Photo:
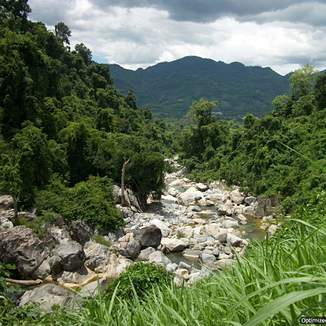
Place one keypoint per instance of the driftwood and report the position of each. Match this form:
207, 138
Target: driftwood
24, 282
123, 172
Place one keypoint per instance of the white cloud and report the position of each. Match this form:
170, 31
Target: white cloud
135, 37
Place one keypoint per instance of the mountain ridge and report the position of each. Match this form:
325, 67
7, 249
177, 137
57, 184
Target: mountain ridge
169, 88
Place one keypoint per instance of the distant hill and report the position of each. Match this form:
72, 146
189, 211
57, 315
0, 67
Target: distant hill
169, 88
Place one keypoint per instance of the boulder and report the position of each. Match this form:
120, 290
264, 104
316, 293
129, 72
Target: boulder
224, 263
6, 202
250, 200
212, 229
92, 289
78, 278
5, 222
227, 208
117, 265
47, 296
182, 264
191, 254
163, 226
207, 258
20, 246
43, 271
70, 254
235, 241
230, 223
149, 236
80, 231
190, 196
171, 267
169, 199
97, 256
201, 187
159, 258
144, 254
185, 232
236, 197
132, 249
173, 245
56, 235
197, 276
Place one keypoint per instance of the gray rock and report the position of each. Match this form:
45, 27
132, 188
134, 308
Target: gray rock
144, 254
159, 258
80, 231
97, 256
236, 197
47, 296
132, 249
223, 263
20, 246
71, 254
55, 265
191, 254
190, 196
207, 258
250, 200
201, 187
184, 265
56, 235
149, 236
222, 237
228, 223
171, 267
92, 289
6, 202
173, 245
43, 271
235, 241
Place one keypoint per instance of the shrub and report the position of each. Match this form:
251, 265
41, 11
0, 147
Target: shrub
91, 201
139, 279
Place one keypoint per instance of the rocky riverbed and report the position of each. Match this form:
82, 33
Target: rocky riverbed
195, 229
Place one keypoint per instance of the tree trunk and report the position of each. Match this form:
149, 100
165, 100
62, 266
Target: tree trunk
123, 173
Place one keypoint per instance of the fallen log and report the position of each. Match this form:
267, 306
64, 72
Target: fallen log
24, 282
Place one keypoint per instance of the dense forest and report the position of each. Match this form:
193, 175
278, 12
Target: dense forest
63, 121
67, 136
281, 155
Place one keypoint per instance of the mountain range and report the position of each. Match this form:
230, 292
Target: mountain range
169, 88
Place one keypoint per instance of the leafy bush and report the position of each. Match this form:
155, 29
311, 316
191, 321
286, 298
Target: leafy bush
91, 201
139, 279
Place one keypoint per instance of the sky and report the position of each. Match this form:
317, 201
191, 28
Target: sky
281, 34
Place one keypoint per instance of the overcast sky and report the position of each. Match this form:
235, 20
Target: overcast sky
282, 34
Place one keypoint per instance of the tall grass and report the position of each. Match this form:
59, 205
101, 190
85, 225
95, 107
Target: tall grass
278, 281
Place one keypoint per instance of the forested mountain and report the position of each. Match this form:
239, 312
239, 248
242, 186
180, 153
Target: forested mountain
169, 88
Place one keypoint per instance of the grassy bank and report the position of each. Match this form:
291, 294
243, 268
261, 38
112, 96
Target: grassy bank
278, 281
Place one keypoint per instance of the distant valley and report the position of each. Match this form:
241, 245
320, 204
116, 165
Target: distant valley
169, 88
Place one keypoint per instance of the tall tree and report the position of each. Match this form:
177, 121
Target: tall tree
62, 32
84, 52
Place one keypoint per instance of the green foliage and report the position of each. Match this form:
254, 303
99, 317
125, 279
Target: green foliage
138, 281
62, 32
101, 240
281, 155
91, 201
60, 115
